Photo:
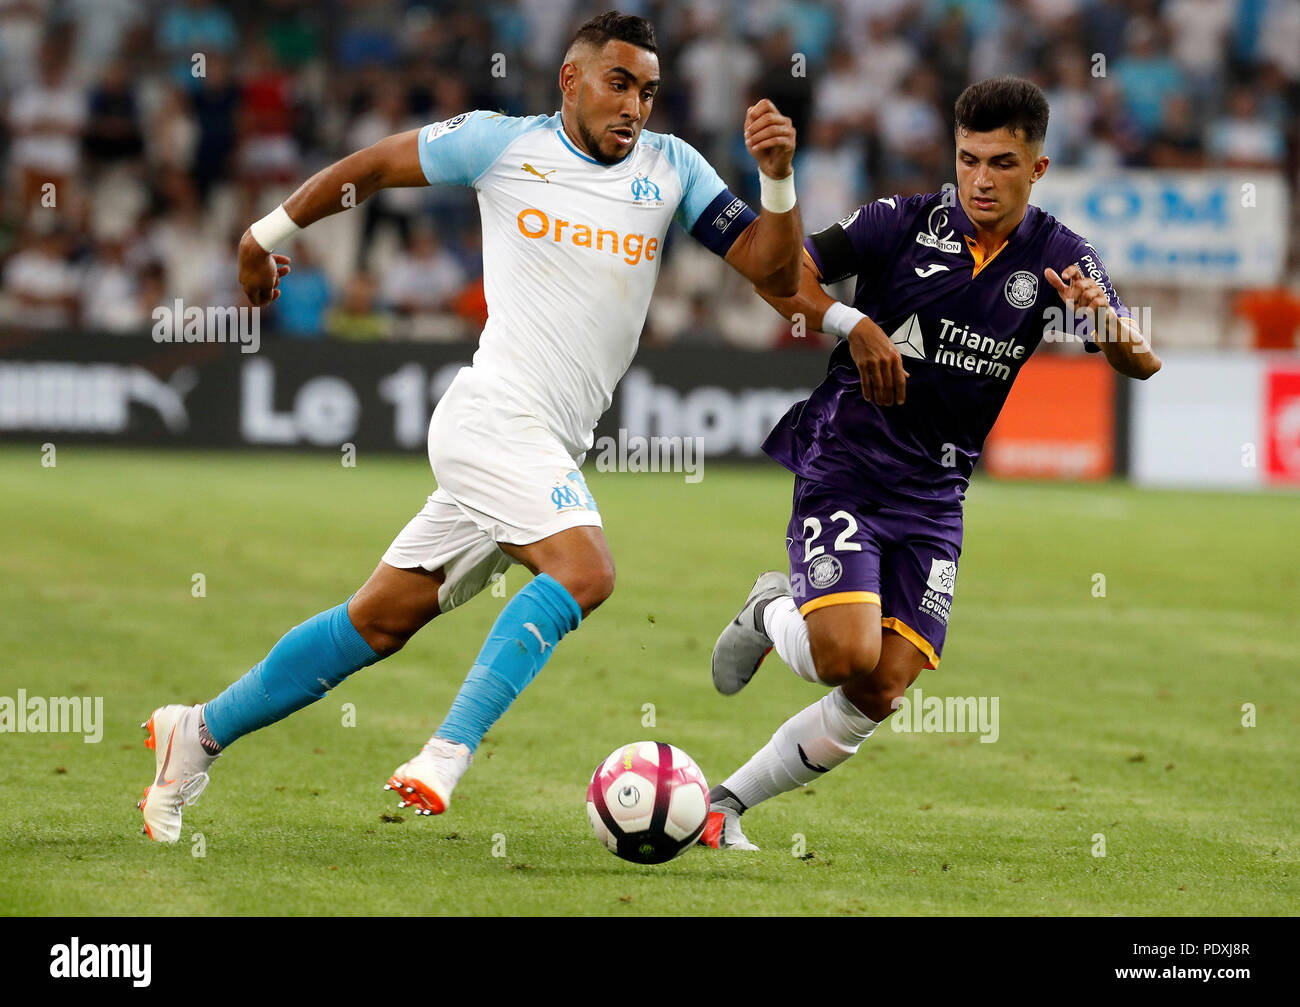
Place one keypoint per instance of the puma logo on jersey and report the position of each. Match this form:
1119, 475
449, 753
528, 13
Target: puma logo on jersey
542, 175
930, 270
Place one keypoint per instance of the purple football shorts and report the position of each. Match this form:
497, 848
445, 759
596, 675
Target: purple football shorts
845, 548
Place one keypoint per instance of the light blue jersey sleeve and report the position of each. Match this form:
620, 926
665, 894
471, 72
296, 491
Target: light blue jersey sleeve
708, 210
459, 150
700, 183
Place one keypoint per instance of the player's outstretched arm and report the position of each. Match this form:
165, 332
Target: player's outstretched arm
809, 302
769, 250
392, 162
880, 365
1119, 338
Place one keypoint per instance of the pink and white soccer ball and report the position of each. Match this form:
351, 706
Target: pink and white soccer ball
648, 802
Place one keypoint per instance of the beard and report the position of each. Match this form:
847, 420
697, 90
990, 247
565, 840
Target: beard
594, 150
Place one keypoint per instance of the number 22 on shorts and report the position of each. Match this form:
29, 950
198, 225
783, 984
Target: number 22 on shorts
812, 530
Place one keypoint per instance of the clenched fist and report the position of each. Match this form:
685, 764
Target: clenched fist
260, 272
769, 137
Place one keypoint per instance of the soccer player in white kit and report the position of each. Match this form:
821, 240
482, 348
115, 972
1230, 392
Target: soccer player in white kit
575, 207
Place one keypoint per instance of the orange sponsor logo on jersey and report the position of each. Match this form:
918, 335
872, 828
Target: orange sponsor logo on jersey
533, 223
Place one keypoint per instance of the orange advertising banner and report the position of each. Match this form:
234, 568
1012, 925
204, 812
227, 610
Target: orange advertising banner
1058, 422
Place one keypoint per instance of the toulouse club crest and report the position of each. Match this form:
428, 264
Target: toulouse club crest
824, 571
1021, 289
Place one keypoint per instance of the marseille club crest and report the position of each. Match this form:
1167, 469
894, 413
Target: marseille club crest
645, 192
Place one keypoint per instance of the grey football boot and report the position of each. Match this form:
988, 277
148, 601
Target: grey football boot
744, 643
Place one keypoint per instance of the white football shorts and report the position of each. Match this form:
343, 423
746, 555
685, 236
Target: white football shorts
503, 477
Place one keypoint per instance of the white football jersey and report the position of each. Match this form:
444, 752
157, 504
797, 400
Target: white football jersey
571, 251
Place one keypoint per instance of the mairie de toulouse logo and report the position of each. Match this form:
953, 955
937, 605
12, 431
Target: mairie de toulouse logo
645, 192
937, 600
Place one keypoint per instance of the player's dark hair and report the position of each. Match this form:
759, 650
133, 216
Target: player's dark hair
1013, 102
615, 27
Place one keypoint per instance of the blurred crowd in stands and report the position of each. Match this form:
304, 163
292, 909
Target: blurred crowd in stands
141, 137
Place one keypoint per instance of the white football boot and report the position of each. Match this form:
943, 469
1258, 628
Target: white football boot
181, 765
744, 643
425, 783
722, 830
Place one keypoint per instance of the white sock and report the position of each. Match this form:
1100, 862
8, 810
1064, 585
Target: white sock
789, 634
822, 735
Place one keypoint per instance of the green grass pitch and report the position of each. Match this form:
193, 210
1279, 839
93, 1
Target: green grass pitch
1120, 715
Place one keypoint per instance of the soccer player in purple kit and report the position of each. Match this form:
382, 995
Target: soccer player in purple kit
949, 302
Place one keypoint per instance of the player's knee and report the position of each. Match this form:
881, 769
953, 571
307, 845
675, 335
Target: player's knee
878, 693
384, 633
590, 583
382, 642
387, 644
840, 661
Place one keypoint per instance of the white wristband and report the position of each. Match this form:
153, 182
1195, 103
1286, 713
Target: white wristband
840, 320
776, 194
274, 228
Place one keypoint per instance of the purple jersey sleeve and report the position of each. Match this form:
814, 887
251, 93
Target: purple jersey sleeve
857, 243
1080, 253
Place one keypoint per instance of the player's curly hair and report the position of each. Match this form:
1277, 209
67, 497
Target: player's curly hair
615, 27
1013, 102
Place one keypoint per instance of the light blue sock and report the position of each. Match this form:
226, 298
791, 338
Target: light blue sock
308, 661
522, 639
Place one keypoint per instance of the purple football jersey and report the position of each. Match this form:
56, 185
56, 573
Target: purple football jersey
964, 329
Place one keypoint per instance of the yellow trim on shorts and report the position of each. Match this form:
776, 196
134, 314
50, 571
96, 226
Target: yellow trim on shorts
841, 598
914, 638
